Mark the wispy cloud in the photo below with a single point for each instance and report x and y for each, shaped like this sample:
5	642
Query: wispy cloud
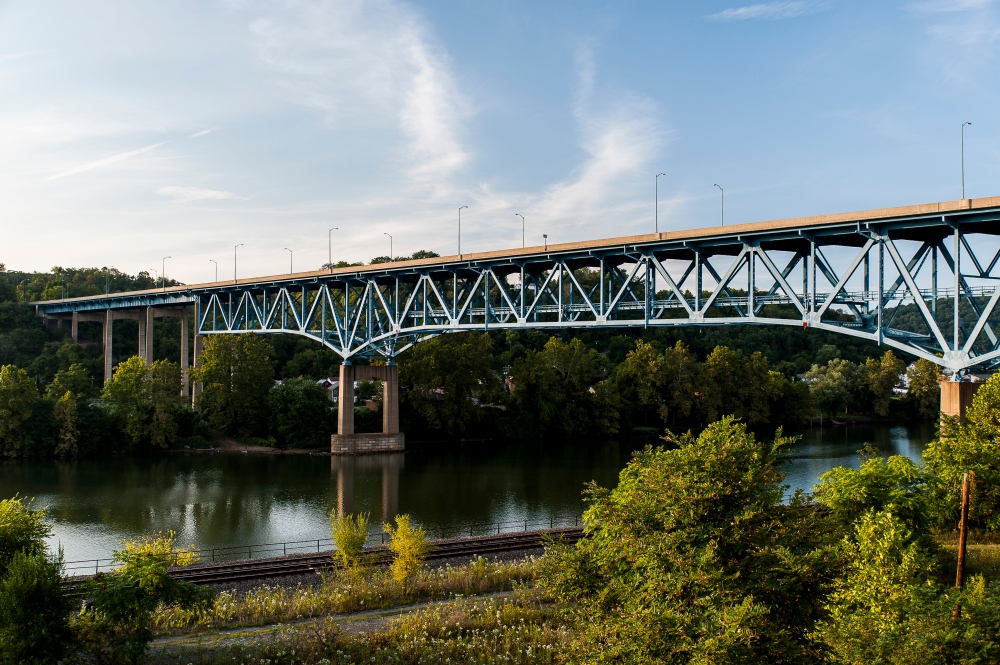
769	11
372	64
104	162
203	132
189	194
966	34
7	57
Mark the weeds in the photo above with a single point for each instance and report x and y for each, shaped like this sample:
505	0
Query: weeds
520	630
346	591
410	547
350	533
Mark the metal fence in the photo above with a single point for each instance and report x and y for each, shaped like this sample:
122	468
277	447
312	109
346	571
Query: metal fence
315	545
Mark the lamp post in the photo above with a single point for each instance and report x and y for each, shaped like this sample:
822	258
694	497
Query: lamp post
291	255
216	268
723	203
163	272
157	277
460	229
545	239
329	246
390	245
656	216
517	214
234	261
963	157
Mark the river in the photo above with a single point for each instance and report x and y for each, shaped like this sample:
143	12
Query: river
224	499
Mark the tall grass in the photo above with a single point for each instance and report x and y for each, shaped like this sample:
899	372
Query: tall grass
346	591
521	630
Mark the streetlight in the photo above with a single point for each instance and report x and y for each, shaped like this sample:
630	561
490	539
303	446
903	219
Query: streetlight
329	246
545	239
216	268
723	203
656	182
517	214
155	278
963	157
390	245
291	255
460	229
234	261
163	272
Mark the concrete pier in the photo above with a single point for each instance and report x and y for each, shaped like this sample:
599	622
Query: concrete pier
956	396
346	441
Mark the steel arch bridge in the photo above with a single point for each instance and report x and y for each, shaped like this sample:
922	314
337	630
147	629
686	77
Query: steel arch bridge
895	276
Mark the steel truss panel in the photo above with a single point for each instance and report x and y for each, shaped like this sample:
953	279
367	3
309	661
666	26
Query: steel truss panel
895	279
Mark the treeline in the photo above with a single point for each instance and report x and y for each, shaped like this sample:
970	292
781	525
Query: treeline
520	384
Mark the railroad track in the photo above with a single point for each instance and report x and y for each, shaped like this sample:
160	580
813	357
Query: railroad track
302	564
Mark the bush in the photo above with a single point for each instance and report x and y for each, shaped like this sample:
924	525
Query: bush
410	547
895	485
21	530
33	611
117	626
692	558
350	534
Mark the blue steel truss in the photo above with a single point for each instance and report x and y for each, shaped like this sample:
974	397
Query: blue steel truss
895	276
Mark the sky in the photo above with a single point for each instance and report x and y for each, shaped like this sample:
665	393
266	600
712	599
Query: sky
130	132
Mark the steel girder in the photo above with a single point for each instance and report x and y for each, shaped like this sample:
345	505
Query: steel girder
895	280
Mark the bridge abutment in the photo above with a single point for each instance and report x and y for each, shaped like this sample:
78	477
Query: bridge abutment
346	441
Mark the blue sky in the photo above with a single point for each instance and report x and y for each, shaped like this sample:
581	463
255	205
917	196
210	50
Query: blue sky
131	131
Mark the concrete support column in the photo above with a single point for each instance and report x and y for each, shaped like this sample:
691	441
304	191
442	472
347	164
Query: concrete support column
345	405
184	353
199	345
74	327
109	319
956	396
148	355
142	335
390	400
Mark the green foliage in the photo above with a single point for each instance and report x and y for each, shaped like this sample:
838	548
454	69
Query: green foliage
64	412
895	485
738	386
117	627
302	415
837	386
444	383
693	559
410	547
984	412
34	611
17	393
75	379
127	398
886	608
21	530
925	391
666	381
350	534
882	376
237	374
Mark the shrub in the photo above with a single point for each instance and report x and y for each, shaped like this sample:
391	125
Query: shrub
960	449
21	530
117	626
410	547
350	534
33	611
896	485
692	558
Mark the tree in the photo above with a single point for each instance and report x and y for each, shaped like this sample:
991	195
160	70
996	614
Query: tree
17	393
350	535
733	384
925	389
301	414
165	398
75	379
127	398
882	376
692	558
834	386
64	412
21	530
34	611
409	546
237	373
446	381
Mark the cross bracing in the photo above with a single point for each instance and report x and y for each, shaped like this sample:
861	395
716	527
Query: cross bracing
895	276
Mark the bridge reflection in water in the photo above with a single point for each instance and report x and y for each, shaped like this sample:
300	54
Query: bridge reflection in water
345	468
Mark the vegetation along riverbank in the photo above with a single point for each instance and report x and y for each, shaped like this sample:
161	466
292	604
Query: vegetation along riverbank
694	557
524	385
